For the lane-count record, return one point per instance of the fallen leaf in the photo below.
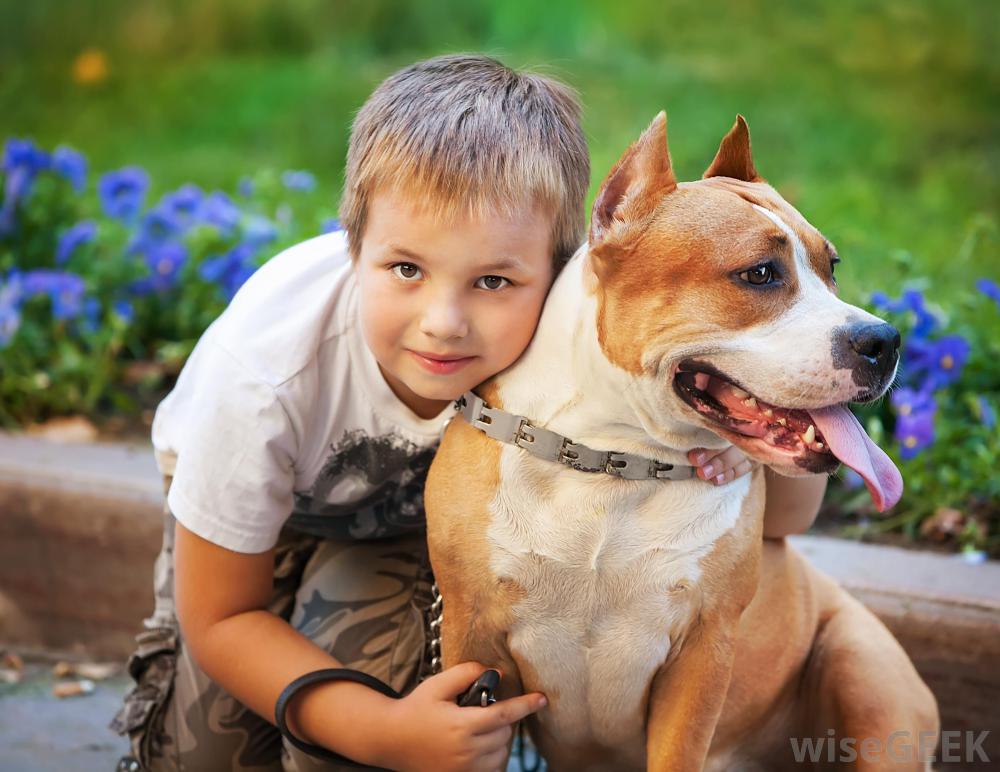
(74, 429)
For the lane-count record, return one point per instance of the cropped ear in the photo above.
(632, 190)
(734, 159)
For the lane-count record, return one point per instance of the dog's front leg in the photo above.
(686, 699)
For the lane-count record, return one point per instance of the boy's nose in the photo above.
(444, 320)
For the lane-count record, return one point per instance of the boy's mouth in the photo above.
(440, 364)
(815, 439)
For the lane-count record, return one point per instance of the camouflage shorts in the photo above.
(362, 601)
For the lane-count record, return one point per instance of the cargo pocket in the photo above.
(152, 667)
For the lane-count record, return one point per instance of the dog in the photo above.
(664, 631)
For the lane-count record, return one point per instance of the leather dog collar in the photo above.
(543, 443)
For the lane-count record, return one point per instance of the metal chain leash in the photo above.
(434, 617)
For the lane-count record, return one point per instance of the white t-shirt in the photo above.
(281, 411)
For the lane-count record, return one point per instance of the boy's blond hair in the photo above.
(464, 134)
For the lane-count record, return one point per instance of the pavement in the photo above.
(40, 732)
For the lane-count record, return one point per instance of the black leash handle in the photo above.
(480, 693)
(317, 677)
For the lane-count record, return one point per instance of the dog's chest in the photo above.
(607, 579)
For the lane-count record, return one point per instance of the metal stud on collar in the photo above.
(552, 446)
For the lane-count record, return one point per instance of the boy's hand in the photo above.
(720, 466)
(430, 731)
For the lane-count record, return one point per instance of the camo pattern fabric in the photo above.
(362, 601)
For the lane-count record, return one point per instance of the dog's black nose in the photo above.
(877, 343)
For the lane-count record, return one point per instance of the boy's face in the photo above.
(446, 305)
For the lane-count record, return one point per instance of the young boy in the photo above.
(296, 442)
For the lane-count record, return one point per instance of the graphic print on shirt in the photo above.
(393, 468)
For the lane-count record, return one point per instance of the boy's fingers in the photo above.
(506, 712)
(452, 682)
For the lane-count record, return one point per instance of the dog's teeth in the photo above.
(750, 402)
(738, 392)
(768, 412)
(810, 436)
(701, 381)
(819, 446)
(783, 421)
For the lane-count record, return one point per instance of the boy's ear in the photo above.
(632, 191)
(734, 158)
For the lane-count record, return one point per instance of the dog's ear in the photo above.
(632, 190)
(734, 158)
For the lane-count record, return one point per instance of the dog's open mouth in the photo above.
(816, 440)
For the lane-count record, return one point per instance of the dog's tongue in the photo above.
(848, 441)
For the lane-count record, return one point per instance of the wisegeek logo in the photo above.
(898, 747)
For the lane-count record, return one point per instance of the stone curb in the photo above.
(80, 526)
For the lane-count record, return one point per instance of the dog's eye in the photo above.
(833, 265)
(759, 274)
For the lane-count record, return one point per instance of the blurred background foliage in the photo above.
(879, 121)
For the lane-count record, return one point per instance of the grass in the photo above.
(879, 121)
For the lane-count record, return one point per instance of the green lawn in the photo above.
(878, 120)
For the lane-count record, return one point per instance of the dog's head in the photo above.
(719, 298)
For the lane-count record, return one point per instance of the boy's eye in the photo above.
(492, 282)
(406, 271)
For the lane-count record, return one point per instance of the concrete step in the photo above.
(80, 528)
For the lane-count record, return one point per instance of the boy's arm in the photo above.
(222, 599)
(791, 503)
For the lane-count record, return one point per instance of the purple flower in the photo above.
(298, 180)
(81, 233)
(945, 358)
(913, 302)
(123, 192)
(908, 401)
(70, 164)
(158, 225)
(990, 289)
(219, 210)
(231, 269)
(914, 432)
(330, 225)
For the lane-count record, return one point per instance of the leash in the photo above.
(549, 445)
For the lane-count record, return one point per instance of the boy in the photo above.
(296, 442)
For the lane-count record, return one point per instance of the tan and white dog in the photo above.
(666, 634)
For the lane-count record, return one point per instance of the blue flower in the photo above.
(298, 180)
(245, 187)
(219, 210)
(330, 225)
(70, 164)
(165, 262)
(64, 289)
(91, 315)
(989, 288)
(914, 432)
(159, 224)
(124, 310)
(231, 269)
(11, 294)
(184, 203)
(259, 231)
(123, 192)
(24, 154)
(81, 233)
(987, 415)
